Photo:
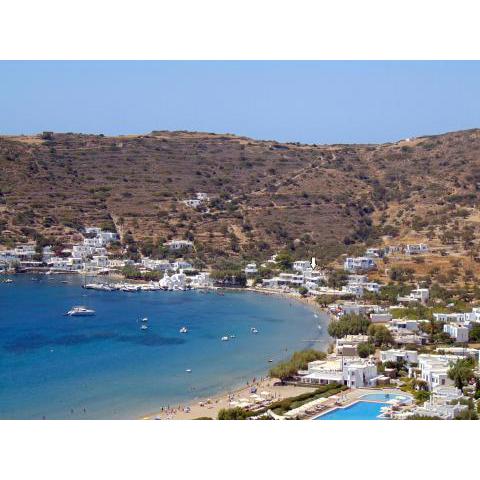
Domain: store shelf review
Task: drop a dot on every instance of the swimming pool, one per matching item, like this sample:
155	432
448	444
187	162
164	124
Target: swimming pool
356	411
385	397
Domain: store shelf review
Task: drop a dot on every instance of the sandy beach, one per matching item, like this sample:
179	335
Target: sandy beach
211	406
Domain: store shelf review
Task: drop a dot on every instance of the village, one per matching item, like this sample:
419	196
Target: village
408	341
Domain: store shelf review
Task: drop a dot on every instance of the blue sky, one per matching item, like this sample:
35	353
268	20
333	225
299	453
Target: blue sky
311	102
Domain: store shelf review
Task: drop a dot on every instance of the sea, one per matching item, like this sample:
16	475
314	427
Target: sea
105	366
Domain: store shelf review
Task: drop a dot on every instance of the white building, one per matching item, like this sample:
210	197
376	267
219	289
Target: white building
284	280
179	244
302	265
415	249
434	369
251	269
395	355
353	264
460	352
442	404
374	252
404	324
417	295
380	317
181	265
456	331
351	371
450	317
157	265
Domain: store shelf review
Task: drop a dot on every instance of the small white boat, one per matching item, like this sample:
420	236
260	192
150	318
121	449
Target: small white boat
188	370
8	280
224	339
80	311
315	315
253	330
144	319
183	330
233	336
144	327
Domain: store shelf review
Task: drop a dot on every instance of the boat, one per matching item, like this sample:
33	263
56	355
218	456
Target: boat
80	312
233	336
183	330
188	370
225	339
144	327
8	280
270	360
253	330
145	319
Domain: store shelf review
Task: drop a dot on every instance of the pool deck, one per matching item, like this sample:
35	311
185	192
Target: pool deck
349	397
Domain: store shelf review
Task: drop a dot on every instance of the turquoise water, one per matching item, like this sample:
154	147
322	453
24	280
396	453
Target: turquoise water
104	366
384	397
357	411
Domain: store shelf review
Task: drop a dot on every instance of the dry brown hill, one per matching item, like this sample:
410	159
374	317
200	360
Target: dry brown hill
264	195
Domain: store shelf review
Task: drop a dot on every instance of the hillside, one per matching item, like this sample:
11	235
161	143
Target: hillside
263	195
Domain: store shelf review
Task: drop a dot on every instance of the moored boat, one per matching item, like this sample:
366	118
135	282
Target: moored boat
80	311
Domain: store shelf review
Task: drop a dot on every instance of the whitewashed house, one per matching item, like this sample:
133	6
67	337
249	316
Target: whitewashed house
457	332
179	244
417	295
351	371
251	269
301	265
396	355
434	369
354	264
415	249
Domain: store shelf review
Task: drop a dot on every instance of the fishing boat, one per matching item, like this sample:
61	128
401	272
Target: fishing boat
144	327
80	311
253	330
188	370
183	330
224	339
145	319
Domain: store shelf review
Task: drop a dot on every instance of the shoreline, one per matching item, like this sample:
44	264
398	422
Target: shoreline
210	406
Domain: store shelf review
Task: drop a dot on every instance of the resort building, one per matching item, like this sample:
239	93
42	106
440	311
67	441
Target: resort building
354	264
395	355
458	332
434	369
284	280
417	295
350	371
347	346
441	404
